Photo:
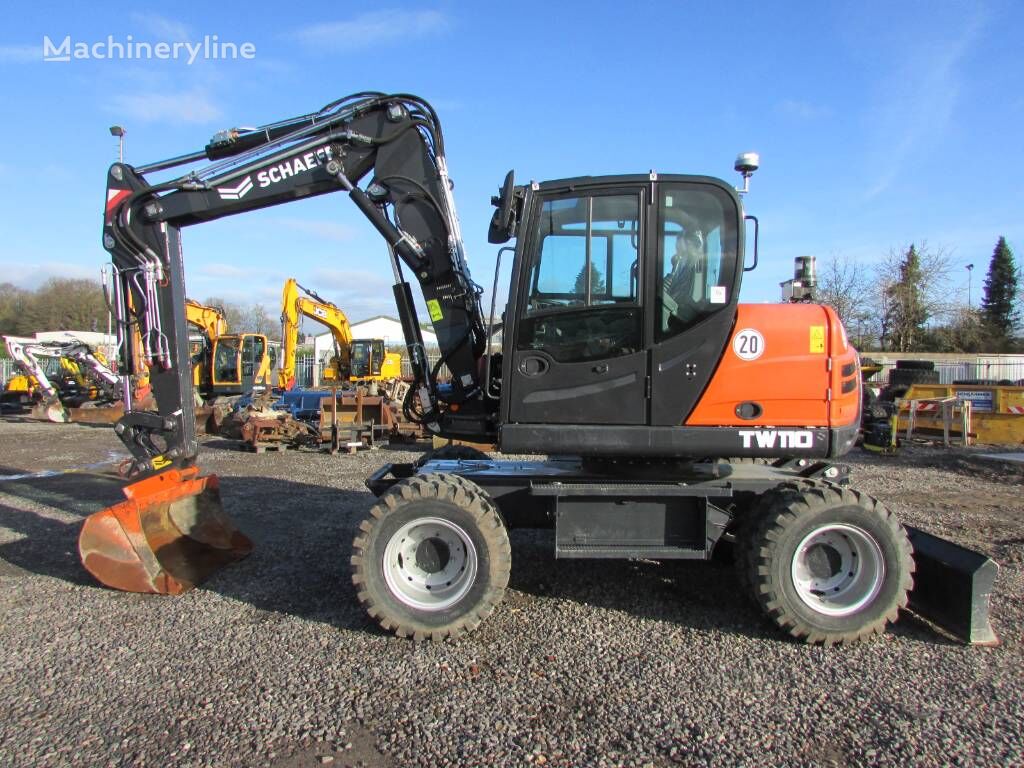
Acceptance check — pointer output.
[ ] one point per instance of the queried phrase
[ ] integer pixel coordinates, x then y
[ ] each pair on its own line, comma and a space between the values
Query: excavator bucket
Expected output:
168, 536
50, 410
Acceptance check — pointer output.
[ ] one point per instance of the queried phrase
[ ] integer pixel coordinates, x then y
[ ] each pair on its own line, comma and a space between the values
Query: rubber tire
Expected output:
432, 495
915, 365
787, 515
453, 453
899, 377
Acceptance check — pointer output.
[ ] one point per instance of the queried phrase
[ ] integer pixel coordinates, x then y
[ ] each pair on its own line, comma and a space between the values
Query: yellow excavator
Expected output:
224, 364
354, 360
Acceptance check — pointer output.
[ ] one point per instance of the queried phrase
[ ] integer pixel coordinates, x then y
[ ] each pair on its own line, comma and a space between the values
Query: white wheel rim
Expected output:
430, 564
838, 569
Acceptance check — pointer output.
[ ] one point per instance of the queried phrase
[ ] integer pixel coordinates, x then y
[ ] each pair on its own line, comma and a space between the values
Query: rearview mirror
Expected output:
503, 221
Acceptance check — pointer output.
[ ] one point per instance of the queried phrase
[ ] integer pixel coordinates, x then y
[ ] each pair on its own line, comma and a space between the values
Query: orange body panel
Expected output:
797, 378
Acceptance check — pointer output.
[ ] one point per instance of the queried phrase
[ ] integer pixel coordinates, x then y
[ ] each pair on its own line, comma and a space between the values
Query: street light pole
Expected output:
119, 131
970, 272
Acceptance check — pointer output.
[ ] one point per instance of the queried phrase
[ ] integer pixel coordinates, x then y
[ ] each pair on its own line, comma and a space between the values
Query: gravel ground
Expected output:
272, 662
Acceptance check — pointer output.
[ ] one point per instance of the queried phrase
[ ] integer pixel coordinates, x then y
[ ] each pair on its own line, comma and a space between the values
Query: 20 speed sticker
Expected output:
748, 344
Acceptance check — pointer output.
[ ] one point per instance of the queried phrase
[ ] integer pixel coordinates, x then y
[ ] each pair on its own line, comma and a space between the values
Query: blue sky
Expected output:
878, 124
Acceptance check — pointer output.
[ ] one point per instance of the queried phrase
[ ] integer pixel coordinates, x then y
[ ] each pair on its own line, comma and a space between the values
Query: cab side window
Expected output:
583, 297
696, 257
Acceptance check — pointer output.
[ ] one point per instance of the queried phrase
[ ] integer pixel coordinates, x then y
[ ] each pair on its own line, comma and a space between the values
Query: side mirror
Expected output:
503, 220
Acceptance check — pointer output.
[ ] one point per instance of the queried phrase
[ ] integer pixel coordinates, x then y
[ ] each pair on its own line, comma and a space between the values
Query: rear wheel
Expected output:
828, 565
432, 559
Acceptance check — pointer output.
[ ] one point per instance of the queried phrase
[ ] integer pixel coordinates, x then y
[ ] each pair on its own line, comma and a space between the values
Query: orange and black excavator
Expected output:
625, 355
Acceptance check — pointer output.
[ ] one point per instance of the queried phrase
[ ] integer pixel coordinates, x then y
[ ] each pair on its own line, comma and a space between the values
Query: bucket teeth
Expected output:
170, 534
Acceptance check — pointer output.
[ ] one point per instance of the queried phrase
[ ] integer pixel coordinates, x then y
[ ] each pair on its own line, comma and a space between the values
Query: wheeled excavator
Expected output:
625, 356
225, 365
353, 361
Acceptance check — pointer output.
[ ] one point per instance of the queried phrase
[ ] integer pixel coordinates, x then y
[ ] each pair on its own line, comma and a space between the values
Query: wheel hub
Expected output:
838, 569
430, 564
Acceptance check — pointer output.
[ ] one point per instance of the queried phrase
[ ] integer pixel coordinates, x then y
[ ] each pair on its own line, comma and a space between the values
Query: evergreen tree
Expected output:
905, 312
998, 304
596, 281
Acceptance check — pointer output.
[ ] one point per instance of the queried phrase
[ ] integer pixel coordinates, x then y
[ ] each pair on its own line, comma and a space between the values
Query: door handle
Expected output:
600, 368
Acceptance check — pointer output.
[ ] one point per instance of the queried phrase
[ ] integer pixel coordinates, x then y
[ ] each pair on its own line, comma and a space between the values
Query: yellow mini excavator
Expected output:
354, 360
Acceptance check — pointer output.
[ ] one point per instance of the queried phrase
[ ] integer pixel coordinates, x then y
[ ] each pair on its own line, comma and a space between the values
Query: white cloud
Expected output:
31, 274
370, 29
351, 283
919, 103
191, 106
161, 28
21, 52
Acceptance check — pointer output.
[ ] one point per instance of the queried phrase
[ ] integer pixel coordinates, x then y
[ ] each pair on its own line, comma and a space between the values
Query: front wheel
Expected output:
828, 565
432, 559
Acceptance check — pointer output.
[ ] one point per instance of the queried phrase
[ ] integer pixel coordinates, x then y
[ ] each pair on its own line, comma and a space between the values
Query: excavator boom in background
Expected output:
625, 355
354, 360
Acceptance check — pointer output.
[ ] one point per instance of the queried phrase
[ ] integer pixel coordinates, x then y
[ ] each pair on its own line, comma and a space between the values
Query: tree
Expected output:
596, 282
910, 291
257, 319
998, 304
965, 332
234, 315
63, 304
846, 287
13, 301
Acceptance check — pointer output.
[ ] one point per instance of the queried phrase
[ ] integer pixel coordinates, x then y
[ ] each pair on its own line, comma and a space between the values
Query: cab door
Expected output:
697, 255
253, 348
579, 355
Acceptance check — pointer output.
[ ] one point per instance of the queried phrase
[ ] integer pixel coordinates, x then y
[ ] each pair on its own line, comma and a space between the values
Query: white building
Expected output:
379, 327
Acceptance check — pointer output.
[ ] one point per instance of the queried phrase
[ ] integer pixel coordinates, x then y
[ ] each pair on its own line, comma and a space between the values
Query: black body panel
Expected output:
696, 442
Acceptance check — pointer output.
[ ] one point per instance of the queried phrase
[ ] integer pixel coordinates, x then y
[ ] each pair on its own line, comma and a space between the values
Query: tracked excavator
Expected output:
625, 356
354, 360
225, 365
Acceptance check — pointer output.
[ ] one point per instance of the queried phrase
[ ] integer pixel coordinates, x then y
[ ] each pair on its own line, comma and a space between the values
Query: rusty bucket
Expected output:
168, 536
50, 409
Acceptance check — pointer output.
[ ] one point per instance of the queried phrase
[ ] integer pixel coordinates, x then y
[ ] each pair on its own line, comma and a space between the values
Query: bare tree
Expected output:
234, 315
847, 287
258, 319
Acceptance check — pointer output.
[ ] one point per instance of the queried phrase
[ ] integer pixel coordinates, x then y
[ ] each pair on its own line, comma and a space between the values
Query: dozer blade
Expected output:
168, 536
50, 410
952, 586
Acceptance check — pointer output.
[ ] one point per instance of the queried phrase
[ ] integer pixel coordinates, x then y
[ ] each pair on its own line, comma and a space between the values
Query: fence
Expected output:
1007, 369
7, 370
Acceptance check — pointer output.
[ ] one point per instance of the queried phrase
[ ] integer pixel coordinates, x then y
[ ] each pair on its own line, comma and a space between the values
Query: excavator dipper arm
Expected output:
397, 138
171, 532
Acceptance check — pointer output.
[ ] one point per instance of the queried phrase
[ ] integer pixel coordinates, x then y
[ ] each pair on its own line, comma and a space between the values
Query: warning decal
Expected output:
817, 339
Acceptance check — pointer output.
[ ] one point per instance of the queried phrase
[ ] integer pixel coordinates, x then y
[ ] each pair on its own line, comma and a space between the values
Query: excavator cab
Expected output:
240, 362
371, 361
